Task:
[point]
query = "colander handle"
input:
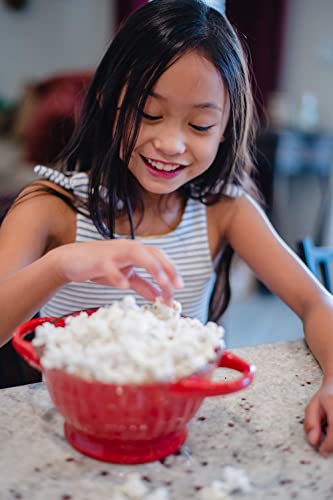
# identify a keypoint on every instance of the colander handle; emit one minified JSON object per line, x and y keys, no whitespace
{"x":25,"y":348}
{"x":205,"y":388}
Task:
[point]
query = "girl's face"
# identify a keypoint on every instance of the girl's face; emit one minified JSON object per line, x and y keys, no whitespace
{"x":182,"y":125}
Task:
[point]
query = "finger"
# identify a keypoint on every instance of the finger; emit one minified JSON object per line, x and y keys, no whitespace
{"x":143,"y":287}
{"x":312,"y":421}
{"x":141,"y":256}
{"x":153,"y":260}
{"x":127,"y":271}
{"x":327,"y":445}
{"x":114,"y":277}
{"x":168,"y":266}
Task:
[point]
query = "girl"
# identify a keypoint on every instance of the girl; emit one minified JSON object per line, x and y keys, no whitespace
{"x":161,"y":155}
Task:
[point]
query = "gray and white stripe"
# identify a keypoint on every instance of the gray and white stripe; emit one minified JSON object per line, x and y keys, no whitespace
{"x":187,"y":246}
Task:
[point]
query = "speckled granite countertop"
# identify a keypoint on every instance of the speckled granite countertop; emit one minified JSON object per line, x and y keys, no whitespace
{"x":258,"y":430}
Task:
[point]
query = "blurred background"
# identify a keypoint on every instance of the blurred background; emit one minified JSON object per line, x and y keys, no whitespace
{"x":49,"y":50}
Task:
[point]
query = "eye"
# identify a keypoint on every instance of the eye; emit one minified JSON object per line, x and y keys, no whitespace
{"x":150,"y":117}
{"x":201,"y":129}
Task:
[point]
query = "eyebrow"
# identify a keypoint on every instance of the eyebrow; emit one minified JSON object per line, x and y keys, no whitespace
{"x":201,"y":105}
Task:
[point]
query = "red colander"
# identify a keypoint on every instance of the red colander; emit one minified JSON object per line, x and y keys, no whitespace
{"x":129,"y":424}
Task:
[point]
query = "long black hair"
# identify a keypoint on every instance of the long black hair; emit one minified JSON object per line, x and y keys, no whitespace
{"x":151,"y":40}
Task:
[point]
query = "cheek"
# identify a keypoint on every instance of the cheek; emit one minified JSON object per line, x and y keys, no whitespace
{"x":207,"y":151}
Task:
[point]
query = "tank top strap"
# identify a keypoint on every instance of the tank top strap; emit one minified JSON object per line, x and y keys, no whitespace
{"x":233,"y":191}
{"x":77,"y":182}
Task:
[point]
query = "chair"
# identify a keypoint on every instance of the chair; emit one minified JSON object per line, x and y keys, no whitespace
{"x":317,"y":259}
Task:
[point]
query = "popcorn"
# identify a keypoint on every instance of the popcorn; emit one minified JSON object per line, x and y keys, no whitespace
{"x":215,"y":491}
{"x":236,"y":480}
{"x":125,"y":343}
{"x":233,"y":480}
{"x":162,"y":311}
{"x":134,"y":488}
{"x":158,"y":494}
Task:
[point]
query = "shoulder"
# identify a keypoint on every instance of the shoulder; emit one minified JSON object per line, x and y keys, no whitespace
{"x":226,"y":210}
{"x":46,"y":209}
{"x":232,"y":216}
{"x":45,"y":188}
{"x":244,"y":211}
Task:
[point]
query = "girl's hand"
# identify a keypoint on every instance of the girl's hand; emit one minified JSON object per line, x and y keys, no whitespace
{"x":319,"y":414}
{"x":113,"y":263}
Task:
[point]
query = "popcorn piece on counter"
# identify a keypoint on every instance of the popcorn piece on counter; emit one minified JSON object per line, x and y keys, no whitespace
{"x":117,"y":495}
{"x":125,"y":343}
{"x":233,"y":480}
{"x":216,"y":491}
{"x":134,"y":488}
{"x":158,"y":494}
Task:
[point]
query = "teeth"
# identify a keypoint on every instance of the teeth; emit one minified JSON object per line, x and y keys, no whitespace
{"x":162,"y":166}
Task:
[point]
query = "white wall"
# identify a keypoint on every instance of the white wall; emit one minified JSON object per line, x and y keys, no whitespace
{"x":49,"y":36}
{"x":308,"y":55}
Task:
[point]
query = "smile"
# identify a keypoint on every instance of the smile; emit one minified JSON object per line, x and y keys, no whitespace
{"x":162,"y":170}
{"x":163,"y":166}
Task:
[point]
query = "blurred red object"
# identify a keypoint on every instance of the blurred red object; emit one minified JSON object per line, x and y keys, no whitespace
{"x":48,"y":113}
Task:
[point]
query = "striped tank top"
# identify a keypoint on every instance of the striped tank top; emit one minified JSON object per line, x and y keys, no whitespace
{"x":187,"y":246}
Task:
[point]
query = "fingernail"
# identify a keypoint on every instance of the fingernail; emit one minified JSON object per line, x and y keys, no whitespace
{"x":179,"y":283}
{"x":312,"y":436}
{"x":162,"y":277}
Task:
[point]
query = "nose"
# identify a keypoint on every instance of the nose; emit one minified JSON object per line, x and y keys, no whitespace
{"x":170,"y":142}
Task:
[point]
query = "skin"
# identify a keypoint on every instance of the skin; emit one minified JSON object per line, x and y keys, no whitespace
{"x":37,"y":253}
{"x":38,"y":256}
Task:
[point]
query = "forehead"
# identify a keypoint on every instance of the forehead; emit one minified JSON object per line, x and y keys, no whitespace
{"x":190,"y":80}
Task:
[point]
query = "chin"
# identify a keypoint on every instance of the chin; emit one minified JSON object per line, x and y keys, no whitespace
{"x":159,"y":187}
{"x":160,"y":190}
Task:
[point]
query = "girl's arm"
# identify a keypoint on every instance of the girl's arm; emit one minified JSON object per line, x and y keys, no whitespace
{"x":37,"y":257}
{"x":254,"y":239}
